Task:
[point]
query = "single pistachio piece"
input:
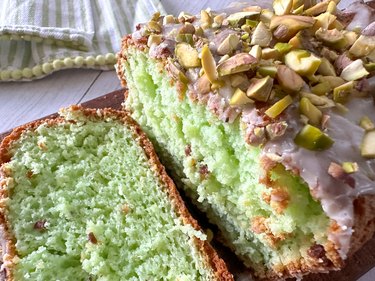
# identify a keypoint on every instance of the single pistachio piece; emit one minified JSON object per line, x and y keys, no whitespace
{"x":350,"y":167}
{"x":283,"y":47}
{"x":321,"y":89}
{"x":209,"y":64}
{"x":270,"y":54}
{"x":260,"y":89}
{"x":238,"y":79}
{"x":366,"y":123}
{"x":154,"y":39}
{"x":288,"y":79}
{"x":277,"y":108}
{"x":332,"y":38}
{"x":318,"y":101}
{"x":187,"y":38}
{"x":223,"y":58}
{"x":245,"y":35}
{"x":302,"y":62}
{"x":299,"y":10}
{"x":186,"y":28}
{"x":350,"y":37}
{"x":154,"y":26}
{"x":217,"y":85}
{"x":262,"y":36}
{"x":313,"y":138}
{"x":296,"y":42}
{"x":206,"y":19}
{"x":367,"y":146}
{"x":185,"y":17}
{"x":239,"y":98}
{"x":282,"y":7}
{"x":203,"y":84}
{"x":275,"y":130}
{"x":292,"y":24}
{"x":228,"y":45}
{"x":256,"y":52}
{"x":324,"y":21}
{"x":326,"y":68}
{"x":266,"y":15}
{"x":341,"y":93}
{"x":298,"y":3}
{"x":354,"y":71}
{"x":331,"y":8}
{"x":238,"y":63}
{"x":169,"y":19}
{"x":317,"y":9}
{"x":363,"y":46}
{"x":238,"y":19}
{"x":155,"y":16}
{"x":333,"y":81}
{"x":267,"y":70}
{"x":252,"y":23}
{"x":337,"y":25}
{"x":313,"y":114}
{"x":370,"y":66}
{"x":187,"y":55}
{"x":176,"y":73}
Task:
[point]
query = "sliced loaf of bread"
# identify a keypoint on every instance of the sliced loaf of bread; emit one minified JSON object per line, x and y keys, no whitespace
{"x":84,"y":197}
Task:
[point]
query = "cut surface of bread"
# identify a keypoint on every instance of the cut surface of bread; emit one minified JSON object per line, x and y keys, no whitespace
{"x":84,"y":197}
{"x":254,"y":142}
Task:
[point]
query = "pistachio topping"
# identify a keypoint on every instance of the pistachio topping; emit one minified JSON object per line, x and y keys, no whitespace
{"x":367,"y":146}
{"x":262,"y":36}
{"x":239,"y":98}
{"x":313,"y":138}
{"x":289,"y":80}
{"x":302,"y":62}
{"x":282,"y":7}
{"x":228,"y":45}
{"x":354,"y":71}
{"x":260,"y":89}
{"x":238,"y":19}
{"x":366,"y":123}
{"x":350,"y":167}
{"x":277,"y":108}
{"x":238,"y":63}
{"x":209,"y":64}
{"x":313,"y":114}
{"x":187,"y":55}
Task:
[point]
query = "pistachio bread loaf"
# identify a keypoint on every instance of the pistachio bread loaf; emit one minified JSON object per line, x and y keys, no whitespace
{"x":267,"y":118}
{"x":84,"y":197}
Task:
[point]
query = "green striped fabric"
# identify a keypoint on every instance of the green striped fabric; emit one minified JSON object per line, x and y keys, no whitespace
{"x":38,"y":37}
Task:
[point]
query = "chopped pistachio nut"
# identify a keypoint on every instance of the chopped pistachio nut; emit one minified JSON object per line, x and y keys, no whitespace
{"x":270,"y":54}
{"x":260,"y":89}
{"x":176,"y":73}
{"x":367,"y":146}
{"x":292,"y":24}
{"x":187,"y":55}
{"x":332,"y":7}
{"x":302,"y":62}
{"x":217,"y":85}
{"x":324,"y":21}
{"x":321,"y":88}
{"x":350,"y":37}
{"x":168,"y":19}
{"x":187,"y":38}
{"x":350,"y":167}
{"x":319,"y":101}
{"x":187,"y":28}
{"x":313,"y":114}
{"x":282,"y":7}
{"x":238,"y":19}
{"x":326,"y":68}
{"x":203,"y":84}
{"x":370,"y":66}
{"x":266,"y":16}
{"x":238,"y":63}
{"x":154,"y":39}
{"x":333,"y":81}
{"x":289,"y":80}
{"x":209,"y":64}
{"x":341,"y":93}
{"x":366,"y":123}
{"x":238,"y":79}
{"x":267,"y":70}
{"x":262,"y":36}
{"x":363,"y":46}
{"x":283,"y":47}
{"x":252,"y":23}
{"x":239,"y":98}
{"x":206,"y":19}
{"x":256,"y":52}
{"x":317,"y":9}
{"x":313,"y":138}
{"x":154,"y":26}
{"x":223,"y":58}
{"x":332,"y":38}
{"x":228,"y":45}
{"x":277,"y":108}
{"x":354,"y":71}
{"x":299,"y":10}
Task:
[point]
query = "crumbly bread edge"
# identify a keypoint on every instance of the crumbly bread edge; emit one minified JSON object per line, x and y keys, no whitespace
{"x":7,"y":240}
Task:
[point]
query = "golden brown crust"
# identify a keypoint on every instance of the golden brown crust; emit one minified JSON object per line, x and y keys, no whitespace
{"x":8,"y":242}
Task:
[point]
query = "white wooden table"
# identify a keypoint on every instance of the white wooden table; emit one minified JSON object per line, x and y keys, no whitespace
{"x":26,"y":101}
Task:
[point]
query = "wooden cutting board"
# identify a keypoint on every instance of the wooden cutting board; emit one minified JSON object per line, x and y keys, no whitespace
{"x":357,"y":265}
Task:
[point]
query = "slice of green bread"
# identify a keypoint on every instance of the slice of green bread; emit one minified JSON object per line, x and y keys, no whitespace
{"x":262,"y":146}
{"x":84,"y":197}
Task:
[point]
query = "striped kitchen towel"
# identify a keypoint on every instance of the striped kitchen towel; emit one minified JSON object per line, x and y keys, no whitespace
{"x":38,"y":37}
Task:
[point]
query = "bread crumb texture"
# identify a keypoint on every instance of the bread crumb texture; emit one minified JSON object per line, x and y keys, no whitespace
{"x":85,"y":204}
{"x":188,"y":137}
